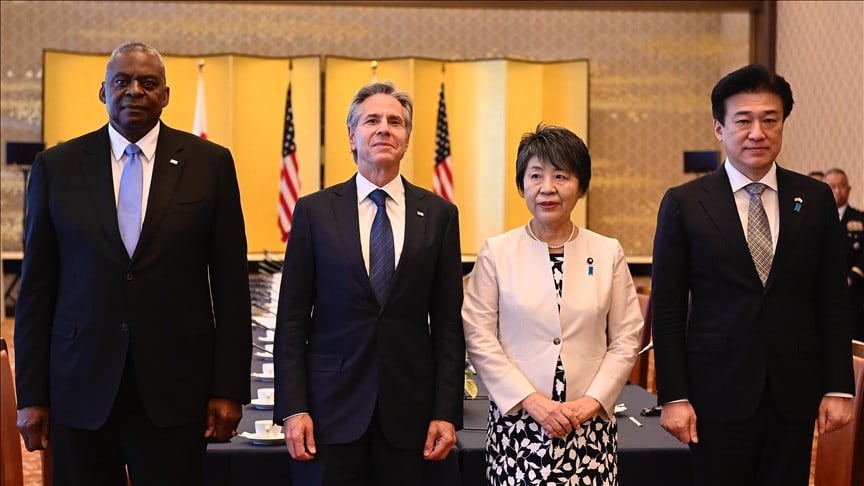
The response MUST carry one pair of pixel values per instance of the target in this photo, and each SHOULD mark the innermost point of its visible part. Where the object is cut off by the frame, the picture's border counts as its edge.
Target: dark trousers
(367, 461)
(764, 450)
(155, 456)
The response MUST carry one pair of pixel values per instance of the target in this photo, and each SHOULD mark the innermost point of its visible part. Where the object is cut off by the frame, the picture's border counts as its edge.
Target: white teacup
(269, 335)
(269, 348)
(267, 369)
(266, 428)
(265, 395)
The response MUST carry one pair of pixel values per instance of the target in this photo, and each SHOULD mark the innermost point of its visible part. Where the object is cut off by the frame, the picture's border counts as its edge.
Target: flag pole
(289, 172)
(199, 123)
(374, 66)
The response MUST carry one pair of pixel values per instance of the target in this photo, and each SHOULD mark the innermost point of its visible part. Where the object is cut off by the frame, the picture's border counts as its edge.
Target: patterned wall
(651, 73)
(820, 51)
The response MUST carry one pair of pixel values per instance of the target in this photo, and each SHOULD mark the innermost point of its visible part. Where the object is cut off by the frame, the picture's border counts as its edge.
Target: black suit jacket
(180, 303)
(738, 335)
(852, 226)
(338, 352)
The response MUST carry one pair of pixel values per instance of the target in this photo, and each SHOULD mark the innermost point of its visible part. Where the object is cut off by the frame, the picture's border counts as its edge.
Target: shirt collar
(395, 189)
(147, 144)
(738, 180)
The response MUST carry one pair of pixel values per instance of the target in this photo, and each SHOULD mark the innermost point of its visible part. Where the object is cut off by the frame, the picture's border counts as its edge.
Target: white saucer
(262, 376)
(264, 339)
(268, 322)
(263, 440)
(261, 404)
(262, 354)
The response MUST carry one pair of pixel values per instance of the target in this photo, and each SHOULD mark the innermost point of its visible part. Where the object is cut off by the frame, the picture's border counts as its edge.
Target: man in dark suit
(370, 372)
(132, 331)
(750, 311)
(852, 227)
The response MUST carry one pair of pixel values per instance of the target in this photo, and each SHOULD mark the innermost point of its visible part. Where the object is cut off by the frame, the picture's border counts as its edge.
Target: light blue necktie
(382, 256)
(129, 198)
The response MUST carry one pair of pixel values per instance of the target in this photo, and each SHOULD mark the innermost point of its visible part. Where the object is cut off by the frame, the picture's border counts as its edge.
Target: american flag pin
(420, 213)
(173, 161)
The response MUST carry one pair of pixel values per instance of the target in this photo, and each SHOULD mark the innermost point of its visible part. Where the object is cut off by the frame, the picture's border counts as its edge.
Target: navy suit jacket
(338, 352)
(792, 334)
(180, 303)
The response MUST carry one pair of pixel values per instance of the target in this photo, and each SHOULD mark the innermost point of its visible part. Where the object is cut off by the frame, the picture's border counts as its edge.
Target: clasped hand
(559, 419)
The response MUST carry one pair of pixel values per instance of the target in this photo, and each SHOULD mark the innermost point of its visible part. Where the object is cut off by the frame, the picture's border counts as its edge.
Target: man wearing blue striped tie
(369, 351)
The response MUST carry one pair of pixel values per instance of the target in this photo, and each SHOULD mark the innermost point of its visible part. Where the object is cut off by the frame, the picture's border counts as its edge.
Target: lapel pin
(173, 162)
(420, 213)
(798, 203)
(590, 262)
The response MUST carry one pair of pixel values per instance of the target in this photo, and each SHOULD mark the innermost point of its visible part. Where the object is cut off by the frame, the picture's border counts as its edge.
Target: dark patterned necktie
(758, 232)
(129, 199)
(381, 252)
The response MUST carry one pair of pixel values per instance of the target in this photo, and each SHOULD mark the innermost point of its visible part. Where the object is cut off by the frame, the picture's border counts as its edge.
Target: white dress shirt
(366, 210)
(769, 198)
(147, 144)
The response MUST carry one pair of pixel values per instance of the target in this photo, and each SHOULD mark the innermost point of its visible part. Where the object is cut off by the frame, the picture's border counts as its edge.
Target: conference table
(647, 455)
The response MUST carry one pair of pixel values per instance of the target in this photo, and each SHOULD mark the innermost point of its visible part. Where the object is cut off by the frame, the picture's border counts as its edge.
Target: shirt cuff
(294, 415)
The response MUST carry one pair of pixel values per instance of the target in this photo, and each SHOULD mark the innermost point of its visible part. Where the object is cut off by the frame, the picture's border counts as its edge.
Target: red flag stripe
(442, 180)
(289, 174)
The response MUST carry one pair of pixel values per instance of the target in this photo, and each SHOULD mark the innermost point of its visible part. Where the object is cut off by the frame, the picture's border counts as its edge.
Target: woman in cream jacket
(552, 326)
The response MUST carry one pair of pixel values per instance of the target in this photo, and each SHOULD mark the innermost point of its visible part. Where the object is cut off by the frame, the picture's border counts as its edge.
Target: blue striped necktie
(381, 252)
(129, 199)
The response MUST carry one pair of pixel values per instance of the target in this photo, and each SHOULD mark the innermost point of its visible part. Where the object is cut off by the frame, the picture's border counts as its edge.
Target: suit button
(556, 341)
(129, 277)
(124, 327)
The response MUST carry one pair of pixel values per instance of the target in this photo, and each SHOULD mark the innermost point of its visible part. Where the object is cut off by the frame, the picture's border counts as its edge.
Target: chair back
(639, 373)
(840, 454)
(12, 470)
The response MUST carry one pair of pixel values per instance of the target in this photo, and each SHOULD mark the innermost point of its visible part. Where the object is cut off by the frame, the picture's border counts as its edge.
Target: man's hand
(440, 438)
(223, 417)
(300, 437)
(679, 419)
(33, 425)
(834, 413)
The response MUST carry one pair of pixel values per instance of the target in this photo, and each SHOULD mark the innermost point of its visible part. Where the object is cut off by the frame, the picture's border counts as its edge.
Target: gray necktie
(129, 199)
(381, 252)
(758, 232)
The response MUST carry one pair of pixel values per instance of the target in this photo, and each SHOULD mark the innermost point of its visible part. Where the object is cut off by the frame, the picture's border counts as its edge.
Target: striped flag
(199, 126)
(289, 175)
(442, 180)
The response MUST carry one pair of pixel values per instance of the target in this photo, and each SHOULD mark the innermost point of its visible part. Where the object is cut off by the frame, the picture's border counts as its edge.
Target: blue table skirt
(647, 456)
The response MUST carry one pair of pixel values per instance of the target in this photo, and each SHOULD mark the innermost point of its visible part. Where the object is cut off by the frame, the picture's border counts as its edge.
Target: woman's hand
(551, 415)
(581, 410)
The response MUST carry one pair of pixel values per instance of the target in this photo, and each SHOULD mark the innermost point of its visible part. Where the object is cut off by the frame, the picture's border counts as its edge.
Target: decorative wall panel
(651, 73)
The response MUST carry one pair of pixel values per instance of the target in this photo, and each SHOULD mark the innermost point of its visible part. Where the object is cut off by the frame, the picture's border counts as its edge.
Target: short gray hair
(139, 46)
(384, 87)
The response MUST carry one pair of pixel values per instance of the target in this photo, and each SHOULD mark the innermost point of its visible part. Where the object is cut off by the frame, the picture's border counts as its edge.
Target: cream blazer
(514, 332)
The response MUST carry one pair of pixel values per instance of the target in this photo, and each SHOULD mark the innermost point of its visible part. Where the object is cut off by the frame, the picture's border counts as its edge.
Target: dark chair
(840, 454)
(639, 374)
(12, 470)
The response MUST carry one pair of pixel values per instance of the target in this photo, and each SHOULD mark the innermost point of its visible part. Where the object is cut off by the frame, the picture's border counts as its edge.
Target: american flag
(442, 180)
(199, 125)
(289, 177)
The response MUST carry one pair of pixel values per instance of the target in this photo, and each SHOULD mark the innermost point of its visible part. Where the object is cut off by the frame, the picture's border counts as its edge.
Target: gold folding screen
(490, 104)
(245, 98)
